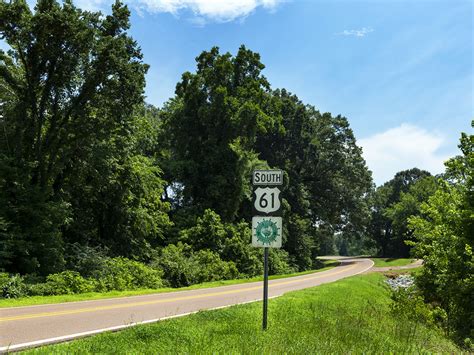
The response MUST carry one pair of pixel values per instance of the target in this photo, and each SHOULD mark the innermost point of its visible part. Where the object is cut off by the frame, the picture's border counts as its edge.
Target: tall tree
(212, 123)
(444, 239)
(73, 79)
(328, 178)
(390, 241)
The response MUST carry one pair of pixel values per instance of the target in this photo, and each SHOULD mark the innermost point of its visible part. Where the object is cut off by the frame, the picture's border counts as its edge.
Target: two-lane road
(22, 327)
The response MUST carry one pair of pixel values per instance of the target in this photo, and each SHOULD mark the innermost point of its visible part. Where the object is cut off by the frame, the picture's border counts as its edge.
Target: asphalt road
(22, 327)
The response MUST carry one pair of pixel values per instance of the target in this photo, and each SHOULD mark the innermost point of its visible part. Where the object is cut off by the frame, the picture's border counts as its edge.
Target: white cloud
(357, 33)
(402, 148)
(203, 10)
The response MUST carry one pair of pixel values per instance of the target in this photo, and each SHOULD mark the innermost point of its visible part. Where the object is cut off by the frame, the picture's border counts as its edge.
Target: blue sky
(400, 71)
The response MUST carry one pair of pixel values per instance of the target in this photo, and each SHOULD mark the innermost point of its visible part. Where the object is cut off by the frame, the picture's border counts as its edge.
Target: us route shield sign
(266, 192)
(267, 199)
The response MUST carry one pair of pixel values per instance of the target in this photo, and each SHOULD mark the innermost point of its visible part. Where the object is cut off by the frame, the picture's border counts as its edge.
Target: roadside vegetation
(352, 315)
(35, 300)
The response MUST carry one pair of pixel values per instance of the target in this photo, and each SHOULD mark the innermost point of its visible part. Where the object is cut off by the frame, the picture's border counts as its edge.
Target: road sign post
(267, 228)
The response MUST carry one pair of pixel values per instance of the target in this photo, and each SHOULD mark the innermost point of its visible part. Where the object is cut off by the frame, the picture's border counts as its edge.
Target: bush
(124, 274)
(64, 283)
(182, 267)
(176, 265)
(279, 262)
(237, 248)
(208, 233)
(409, 304)
(14, 287)
(4, 278)
(210, 267)
(85, 259)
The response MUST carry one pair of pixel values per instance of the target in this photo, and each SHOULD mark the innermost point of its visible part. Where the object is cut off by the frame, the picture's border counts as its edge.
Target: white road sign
(266, 232)
(267, 177)
(267, 199)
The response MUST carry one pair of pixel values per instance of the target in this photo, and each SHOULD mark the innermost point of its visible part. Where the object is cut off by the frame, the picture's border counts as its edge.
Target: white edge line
(370, 267)
(111, 329)
(120, 327)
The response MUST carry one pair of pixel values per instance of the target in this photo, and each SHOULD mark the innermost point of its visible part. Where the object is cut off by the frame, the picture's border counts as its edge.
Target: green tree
(409, 205)
(327, 177)
(212, 123)
(390, 241)
(444, 239)
(71, 80)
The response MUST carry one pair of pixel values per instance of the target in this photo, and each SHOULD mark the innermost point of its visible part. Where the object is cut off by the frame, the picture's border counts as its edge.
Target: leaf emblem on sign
(267, 199)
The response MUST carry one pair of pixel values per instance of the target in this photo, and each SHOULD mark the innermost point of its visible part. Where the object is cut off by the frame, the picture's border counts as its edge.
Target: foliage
(392, 204)
(84, 259)
(210, 267)
(175, 262)
(13, 286)
(183, 267)
(124, 274)
(64, 283)
(444, 238)
(71, 80)
(409, 304)
(212, 123)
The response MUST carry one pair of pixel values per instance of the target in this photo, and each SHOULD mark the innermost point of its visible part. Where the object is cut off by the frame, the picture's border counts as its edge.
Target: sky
(400, 71)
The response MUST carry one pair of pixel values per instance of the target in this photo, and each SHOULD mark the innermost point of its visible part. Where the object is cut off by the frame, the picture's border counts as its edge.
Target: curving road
(23, 327)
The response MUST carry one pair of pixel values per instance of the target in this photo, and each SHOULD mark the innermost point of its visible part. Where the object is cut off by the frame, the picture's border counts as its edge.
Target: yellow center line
(182, 298)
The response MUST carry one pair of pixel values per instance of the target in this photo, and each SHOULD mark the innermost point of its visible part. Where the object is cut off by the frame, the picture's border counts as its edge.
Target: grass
(36, 300)
(384, 262)
(351, 315)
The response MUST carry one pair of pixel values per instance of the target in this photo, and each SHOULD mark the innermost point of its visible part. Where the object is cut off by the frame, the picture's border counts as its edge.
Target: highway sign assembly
(267, 225)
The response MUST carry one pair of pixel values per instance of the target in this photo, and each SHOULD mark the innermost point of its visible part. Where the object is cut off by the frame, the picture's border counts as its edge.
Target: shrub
(409, 304)
(237, 248)
(279, 262)
(66, 283)
(176, 265)
(85, 259)
(4, 278)
(125, 274)
(14, 287)
(210, 267)
(208, 233)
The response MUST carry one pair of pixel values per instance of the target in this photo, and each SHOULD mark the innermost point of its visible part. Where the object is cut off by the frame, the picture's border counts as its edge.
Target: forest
(102, 191)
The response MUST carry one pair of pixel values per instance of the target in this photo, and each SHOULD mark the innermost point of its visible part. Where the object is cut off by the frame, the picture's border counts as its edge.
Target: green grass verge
(36, 300)
(348, 316)
(384, 262)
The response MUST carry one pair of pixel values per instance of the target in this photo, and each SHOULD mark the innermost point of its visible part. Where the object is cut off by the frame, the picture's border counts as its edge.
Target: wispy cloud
(357, 33)
(203, 11)
(403, 147)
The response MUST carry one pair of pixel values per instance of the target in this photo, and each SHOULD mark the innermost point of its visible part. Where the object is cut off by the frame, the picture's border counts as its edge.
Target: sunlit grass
(348, 316)
(384, 262)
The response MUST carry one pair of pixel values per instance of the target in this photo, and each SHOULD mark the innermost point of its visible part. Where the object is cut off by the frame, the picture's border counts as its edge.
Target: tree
(409, 205)
(388, 241)
(444, 239)
(72, 80)
(327, 176)
(212, 123)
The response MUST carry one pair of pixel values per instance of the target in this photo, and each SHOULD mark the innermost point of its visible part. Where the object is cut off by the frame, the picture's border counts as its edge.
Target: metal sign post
(265, 289)
(267, 227)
